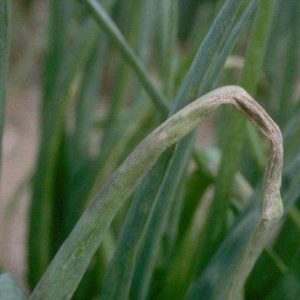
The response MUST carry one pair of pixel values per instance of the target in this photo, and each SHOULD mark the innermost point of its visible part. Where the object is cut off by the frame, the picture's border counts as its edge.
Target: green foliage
(5, 25)
(127, 202)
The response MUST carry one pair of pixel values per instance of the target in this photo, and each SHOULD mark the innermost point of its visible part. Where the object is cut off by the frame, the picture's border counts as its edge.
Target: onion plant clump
(127, 200)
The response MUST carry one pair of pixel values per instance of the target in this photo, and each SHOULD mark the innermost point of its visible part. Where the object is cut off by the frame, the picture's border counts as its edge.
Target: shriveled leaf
(68, 266)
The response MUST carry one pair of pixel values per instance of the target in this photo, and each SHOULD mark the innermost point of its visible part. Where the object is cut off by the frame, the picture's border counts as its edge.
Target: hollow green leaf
(120, 127)
(195, 187)
(167, 23)
(5, 23)
(292, 63)
(39, 256)
(285, 247)
(144, 199)
(175, 173)
(288, 288)
(54, 110)
(181, 266)
(100, 15)
(235, 136)
(86, 101)
(226, 261)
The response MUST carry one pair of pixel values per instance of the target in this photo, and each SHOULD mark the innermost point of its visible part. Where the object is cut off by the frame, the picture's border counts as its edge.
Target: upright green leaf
(112, 30)
(229, 163)
(285, 247)
(292, 63)
(227, 259)
(167, 21)
(82, 137)
(183, 260)
(54, 110)
(276, 53)
(166, 195)
(143, 201)
(86, 101)
(4, 59)
(39, 232)
(120, 128)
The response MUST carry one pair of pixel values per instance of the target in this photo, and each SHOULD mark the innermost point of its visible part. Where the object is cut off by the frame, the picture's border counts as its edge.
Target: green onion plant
(128, 201)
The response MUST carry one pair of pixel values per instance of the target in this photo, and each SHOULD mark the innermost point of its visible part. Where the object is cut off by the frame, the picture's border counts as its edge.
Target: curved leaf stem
(74, 256)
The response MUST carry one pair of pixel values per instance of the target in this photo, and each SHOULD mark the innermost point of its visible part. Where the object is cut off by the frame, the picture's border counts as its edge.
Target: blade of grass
(87, 100)
(94, 274)
(189, 15)
(171, 235)
(115, 138)
(53, 118)
(107, 24)
(276, 53)
(60, 188)
(272, 48)
(175, 286)
(289, 84)
(5, 23)
(142, 38)
(56, 51)
(109, 136)
(229, 162)
(285, 248)
(285, 244)
(167, 20)
(227, 261)
(81, 139)
(137, 216)
(291, 132)
(196, 185)
(288, 287)
(209, 160)
(130, 12)
(85, 187)
(180, 270)
(38, 257)
(156, 224)
(130, 233)
(165, 197)
(217, 275)
(68, 266)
